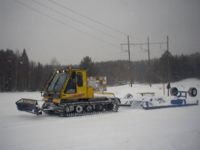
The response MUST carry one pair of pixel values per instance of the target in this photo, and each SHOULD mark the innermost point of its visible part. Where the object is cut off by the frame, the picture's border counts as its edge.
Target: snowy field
(128, 129)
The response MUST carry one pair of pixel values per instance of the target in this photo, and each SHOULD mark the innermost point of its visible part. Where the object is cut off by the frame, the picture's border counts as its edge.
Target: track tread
(63, 113)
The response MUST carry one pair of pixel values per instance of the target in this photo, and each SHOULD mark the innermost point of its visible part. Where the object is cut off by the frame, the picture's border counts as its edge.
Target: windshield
(57, 82)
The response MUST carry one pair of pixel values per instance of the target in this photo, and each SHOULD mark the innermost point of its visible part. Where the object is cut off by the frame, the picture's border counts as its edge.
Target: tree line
(167, 68)
(18, 73)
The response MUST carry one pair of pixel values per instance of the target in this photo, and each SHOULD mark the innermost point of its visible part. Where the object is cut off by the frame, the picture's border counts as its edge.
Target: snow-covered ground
(128, 129)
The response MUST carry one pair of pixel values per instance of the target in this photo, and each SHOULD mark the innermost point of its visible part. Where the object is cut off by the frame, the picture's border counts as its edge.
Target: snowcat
(67, 93)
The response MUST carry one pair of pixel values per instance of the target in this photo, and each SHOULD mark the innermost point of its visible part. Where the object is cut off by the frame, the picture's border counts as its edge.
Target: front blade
(29, 105)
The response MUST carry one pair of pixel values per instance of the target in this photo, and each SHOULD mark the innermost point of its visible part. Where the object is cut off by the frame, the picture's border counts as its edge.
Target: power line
(91, 19)
(75, 20)
(86, 17)
(145, 43)
(148, 50)
(64, 23)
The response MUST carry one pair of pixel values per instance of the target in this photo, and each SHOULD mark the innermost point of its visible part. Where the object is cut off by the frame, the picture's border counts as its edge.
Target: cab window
(79, 79)
(71, 85)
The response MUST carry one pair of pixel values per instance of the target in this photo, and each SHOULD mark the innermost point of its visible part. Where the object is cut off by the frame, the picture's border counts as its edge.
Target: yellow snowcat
(67, 93)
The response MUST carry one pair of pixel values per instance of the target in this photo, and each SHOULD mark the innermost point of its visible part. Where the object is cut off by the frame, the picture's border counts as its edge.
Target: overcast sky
(68, 30)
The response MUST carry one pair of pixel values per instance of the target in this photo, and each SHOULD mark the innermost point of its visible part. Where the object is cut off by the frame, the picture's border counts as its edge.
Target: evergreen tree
(87, 64)
(23, 71)
(165, 66)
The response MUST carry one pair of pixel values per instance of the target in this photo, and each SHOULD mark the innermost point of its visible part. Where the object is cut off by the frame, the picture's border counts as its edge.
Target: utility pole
(148, 47)
(168, 63)
(149, 61)
(129, 56)
(168, 67)
(167, 43)
(129, 61)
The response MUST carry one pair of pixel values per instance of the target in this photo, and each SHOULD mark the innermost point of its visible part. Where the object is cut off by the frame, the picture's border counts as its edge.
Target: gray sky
(47, 30)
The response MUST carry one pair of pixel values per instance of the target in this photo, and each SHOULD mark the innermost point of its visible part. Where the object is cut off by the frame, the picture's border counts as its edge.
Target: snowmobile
(67, 93)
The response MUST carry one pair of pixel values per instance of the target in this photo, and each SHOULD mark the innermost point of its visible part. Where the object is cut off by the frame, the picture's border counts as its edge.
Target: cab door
(81, 84)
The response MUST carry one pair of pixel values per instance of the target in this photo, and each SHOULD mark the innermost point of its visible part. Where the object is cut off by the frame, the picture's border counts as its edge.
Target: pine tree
(86, 63)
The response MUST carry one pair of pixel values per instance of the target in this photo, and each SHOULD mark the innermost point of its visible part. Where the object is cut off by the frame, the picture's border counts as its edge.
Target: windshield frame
(57, 82)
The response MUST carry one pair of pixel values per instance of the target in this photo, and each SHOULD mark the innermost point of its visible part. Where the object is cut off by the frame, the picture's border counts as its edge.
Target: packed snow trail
(166, 129)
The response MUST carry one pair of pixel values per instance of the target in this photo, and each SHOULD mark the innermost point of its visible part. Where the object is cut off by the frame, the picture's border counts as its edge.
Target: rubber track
(74, 114)
(86, 113)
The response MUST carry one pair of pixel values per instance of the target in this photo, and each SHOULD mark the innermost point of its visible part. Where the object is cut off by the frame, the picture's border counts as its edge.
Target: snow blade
(29, 105)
